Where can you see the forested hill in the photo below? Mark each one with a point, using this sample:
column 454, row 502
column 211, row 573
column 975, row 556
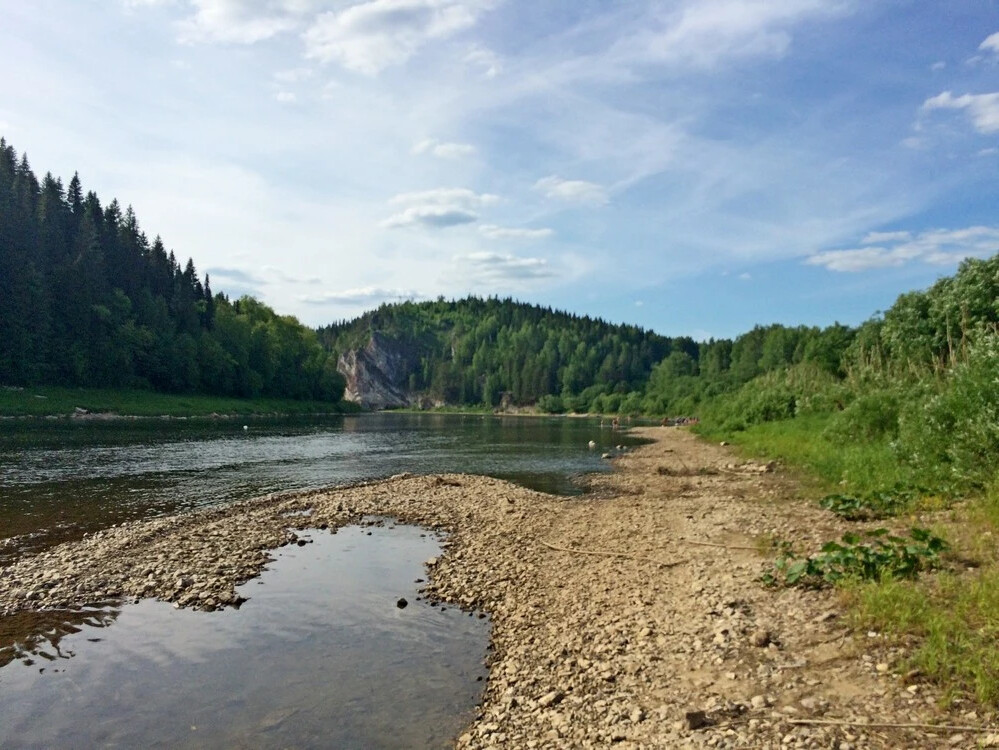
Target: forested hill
column 87, row 300
column 472, row 351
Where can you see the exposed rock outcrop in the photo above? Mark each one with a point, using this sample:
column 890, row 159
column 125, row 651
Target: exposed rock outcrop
column 378, row 375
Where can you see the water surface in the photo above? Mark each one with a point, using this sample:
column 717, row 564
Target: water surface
column 319, row 656
column 60, row 479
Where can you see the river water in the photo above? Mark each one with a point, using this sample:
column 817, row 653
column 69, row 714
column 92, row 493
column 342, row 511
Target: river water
column 319, row 655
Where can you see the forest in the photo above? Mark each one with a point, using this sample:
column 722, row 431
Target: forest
column 87, row 300
column 473, row 351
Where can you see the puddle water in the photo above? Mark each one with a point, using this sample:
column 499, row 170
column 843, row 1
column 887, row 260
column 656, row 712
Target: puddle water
column 319, row 656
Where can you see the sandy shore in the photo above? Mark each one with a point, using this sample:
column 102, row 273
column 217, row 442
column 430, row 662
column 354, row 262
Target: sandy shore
column 627, row 617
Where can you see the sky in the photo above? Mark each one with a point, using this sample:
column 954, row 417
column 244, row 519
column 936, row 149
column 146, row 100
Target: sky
column 695, row 167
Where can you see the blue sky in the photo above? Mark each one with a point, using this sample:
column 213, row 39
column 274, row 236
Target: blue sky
column 691, row 166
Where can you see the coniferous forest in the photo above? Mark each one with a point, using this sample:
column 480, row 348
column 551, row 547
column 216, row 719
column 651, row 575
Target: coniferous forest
column 87, row 300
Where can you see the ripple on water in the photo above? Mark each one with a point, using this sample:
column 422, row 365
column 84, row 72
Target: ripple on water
column 318, row 656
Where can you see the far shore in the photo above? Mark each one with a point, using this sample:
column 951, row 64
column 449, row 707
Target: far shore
column 631, row 616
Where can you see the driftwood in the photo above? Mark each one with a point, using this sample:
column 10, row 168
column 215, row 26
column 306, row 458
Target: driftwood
column 864, row 724
column 622, row 555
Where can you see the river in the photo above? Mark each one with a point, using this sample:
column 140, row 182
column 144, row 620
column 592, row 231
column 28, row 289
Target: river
column 320, row 655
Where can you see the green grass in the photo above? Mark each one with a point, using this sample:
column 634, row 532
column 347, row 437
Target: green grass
column 46, row 401
column 948, row 621
column 839, row 465
column 953, row 622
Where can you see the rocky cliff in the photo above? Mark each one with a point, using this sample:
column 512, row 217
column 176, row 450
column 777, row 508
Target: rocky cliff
column 378, row 375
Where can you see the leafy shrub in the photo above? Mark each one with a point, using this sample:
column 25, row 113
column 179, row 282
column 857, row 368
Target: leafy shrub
column 869, row 417
column 953, row 435
column 551, row 404
column 869, row 506
column 880, row 556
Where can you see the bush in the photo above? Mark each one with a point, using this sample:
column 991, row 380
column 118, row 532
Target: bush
column 551, row 404
column 952, row 437
column 870, row 417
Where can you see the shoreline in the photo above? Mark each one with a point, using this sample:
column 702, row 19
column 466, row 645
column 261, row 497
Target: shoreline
column 627, row 616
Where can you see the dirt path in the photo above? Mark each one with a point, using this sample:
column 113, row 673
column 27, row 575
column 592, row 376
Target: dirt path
column 614, row 615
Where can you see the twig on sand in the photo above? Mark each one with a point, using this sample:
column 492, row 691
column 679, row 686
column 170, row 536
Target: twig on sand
column 887, row 725
column 599, row 553
column 722, row 546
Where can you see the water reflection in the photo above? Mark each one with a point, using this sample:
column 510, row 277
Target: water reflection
column 318, row 656
column 59, row 480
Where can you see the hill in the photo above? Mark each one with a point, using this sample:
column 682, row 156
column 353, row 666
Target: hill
column 87, row 300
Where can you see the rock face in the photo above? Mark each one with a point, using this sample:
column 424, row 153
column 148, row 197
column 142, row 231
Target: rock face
column 378, row 375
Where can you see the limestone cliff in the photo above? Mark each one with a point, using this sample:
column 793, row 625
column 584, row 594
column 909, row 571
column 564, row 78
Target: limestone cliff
column 378, row 375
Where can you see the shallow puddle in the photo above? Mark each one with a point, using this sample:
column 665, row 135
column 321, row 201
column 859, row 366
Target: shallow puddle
column 319, row 656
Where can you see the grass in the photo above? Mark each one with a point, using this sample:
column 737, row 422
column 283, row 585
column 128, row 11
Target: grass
column 948, row 621
column 952, row 622
column 47, row 401
column 855, row 466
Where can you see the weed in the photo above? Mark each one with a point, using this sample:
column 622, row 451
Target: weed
column 868, row 506
column 878, row 556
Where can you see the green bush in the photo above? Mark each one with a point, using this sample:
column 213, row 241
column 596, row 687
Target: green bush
column 551, row 404
column 952, row 437
column 871, row 416
column 881, row 556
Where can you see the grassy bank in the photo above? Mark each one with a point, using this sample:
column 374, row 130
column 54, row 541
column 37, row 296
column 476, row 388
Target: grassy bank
column 948, row 619
column 47, row 401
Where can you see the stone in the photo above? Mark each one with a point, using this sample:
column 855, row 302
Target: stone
column 402, row 603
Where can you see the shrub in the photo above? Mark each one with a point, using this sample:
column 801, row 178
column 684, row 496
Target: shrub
column 880, row 556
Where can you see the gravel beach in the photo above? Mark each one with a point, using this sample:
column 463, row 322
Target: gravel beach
column 629, row 617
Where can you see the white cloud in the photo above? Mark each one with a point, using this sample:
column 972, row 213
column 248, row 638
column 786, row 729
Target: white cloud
column 444, row 150
column 286, row 97
column 745, row 276
column 434, row 217
column 876, row 238
column 445, row 196
column 371, row 36
column 368, row 295
column 486, row 60
column 573, row 191
column 494, row 232
column 703, row 33
column 983, row 109
column 936, row 246
column 496, row 268
column 241, row 21
column 991, row 43
column 938, row 65
column 439, row 208
column 989, row 151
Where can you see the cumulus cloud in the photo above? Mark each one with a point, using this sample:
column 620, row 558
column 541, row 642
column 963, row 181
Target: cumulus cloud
column 497, row 268
column 494, row 232
column 444, row 150
column 435, row 217
column 371, row 36
column 241, row 21
column 936, row 246
column 572, row 191
column 438, row 209
column 991, row 44
column 362, row 296
column 445, row 197
column 983, row 109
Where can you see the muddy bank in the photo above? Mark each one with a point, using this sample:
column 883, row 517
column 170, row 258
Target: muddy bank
column 615, row 615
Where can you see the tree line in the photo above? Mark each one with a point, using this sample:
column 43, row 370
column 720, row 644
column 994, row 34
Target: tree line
column 87, row 300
